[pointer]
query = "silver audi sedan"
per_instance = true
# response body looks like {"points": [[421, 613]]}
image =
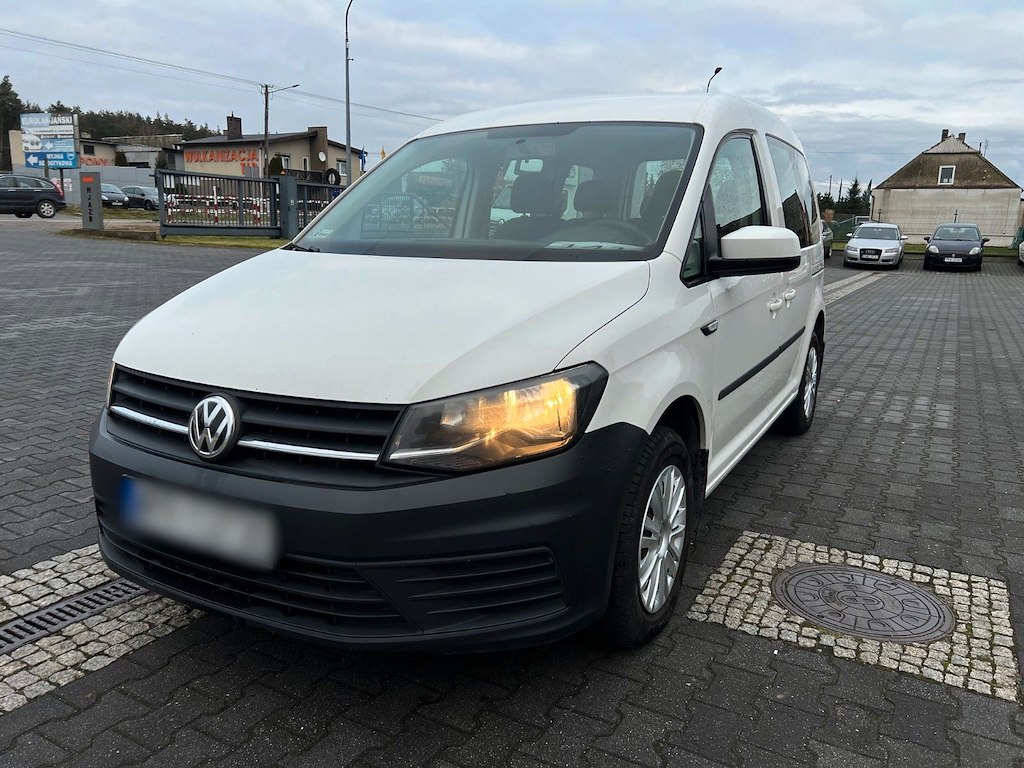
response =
{"points": [[877, 244]]}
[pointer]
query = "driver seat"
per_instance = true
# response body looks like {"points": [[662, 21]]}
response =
{"points": [[533, 196]]}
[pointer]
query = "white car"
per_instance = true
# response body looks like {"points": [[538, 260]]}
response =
{"points": [[1020, 254], [391, 433], [875, 244]]}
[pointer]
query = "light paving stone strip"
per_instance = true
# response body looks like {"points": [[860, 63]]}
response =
{"points": [[843, 288], [978, 655], [85, 646]]}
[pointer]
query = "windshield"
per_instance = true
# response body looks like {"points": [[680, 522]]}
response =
{"points": [[590, 191], [957, 233], [148, 190], [876, 233], [110, 188]]}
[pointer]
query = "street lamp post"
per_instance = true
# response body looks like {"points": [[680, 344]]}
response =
{"points": [[267, 90], [708, 89], [348, 115]]}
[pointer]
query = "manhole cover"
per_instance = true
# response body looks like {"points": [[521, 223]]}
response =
{"points": [[857, 601]]}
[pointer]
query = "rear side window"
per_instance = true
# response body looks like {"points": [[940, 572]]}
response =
{"points": [[736, 187], [798, 209]]}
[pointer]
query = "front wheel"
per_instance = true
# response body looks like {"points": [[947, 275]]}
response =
{"points": [[149, 205], [657, 529], [46, 209], [797, 418]]}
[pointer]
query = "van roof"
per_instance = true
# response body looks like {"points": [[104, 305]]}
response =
{"points": [[717, 114]]}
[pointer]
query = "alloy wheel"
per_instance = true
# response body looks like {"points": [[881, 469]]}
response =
{"points": [[662, 538], [811, 379]]}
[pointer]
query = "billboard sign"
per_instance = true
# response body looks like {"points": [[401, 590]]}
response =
{"points": [[48, 139]]}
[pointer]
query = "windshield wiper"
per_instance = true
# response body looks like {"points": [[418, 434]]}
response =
{"points": [[297, 247]]}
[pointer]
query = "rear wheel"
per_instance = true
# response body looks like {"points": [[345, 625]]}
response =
{"points": [[797, 418], [46, 209], [149, 206], [656, 531]]}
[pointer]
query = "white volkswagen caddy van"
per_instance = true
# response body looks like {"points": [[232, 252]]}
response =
{"points": [[417, 427]]}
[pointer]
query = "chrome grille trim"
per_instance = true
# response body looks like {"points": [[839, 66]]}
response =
{"points": [[259, 445]]}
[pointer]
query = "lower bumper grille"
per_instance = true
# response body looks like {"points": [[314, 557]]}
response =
{"points": [[363, 600]]}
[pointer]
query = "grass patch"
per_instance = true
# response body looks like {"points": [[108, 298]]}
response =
{"points": [[206, 241], [117, 213]]}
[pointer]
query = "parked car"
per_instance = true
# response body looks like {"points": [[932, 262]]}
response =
{"points": [[960, 246], [25, 195], [876, 244], [391, 434], [113, 197], [141, 197], [1020, 254], [827, 238]]}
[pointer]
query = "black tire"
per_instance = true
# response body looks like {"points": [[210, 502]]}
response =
{"points": [[148, 205], [798, 417], [46, 209], [627, 622]]}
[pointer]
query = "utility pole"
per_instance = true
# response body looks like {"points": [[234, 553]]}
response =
{"points": [[267, 90], [348, 114]]}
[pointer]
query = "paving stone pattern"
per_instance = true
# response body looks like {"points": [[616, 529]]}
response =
{"points": [[916, 455], [978, 655]]}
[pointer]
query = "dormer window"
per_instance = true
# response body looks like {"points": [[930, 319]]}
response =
{"points": [[946, 174]]}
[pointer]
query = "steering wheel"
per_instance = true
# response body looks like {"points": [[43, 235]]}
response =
{"points": [[633, 234]]}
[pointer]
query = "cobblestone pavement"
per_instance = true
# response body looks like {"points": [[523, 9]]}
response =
{"points": [[916, 458]]}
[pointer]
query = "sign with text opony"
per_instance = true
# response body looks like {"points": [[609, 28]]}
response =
{"points": [[48, 139]]}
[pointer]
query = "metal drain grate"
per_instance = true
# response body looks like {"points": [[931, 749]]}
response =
{"points": [[48, 620]]}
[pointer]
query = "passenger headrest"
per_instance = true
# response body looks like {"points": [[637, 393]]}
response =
{"points": [[664, 188], [534, 193], [593, 197]]}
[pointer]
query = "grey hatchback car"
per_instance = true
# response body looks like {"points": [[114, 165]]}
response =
{"points": [[875, 243], [955, 245]]}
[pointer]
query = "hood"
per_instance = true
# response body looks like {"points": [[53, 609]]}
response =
{"points": [[960, 247], [865, 242], [378, 329]]}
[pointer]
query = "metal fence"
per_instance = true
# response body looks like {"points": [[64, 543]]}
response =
{"points": [[204, 204], [313, 197]]}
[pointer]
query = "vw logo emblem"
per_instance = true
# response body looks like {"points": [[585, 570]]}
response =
{"points": [[213, 427]]}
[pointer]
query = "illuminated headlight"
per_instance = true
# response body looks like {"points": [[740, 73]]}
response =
{"points": [[932, 249], [891, 251], [498, 426], [975, 250]]}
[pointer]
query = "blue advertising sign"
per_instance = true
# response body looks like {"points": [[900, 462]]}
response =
{"points": [[55, 160]]}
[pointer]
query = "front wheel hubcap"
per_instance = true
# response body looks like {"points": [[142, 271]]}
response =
{"points": [[662, 538], [810, 382]]}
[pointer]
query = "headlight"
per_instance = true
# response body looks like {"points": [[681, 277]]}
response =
{"points": [[975, 250], [104, 197], [891, 251], [496, 426], [850, 249], [932, 249]]}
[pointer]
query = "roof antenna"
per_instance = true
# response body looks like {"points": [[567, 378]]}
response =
{"points": [[708, 89]]}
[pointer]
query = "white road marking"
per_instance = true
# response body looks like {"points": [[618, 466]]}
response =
{"points": [[843, 288]]}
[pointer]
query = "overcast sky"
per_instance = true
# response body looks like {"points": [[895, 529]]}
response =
{"points": [[866, 85]]}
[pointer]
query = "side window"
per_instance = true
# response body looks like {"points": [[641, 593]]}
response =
{"points": [[8, 182], [798, 209], [736, 187]]}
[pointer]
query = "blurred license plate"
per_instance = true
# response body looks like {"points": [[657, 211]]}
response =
{"points": [[869, 256], [954, 259], [207, 525]]}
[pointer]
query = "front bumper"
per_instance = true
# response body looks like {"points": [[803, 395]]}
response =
{"points": [[939, 260], [885, 258], [514, 556]]}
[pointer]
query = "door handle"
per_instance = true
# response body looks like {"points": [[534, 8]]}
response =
{"points": [[774, 306], [789, 295]]}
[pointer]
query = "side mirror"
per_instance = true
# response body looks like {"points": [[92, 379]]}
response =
{"points": [[927, 238], [756, 250], [985, 240], [904, 238]]}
